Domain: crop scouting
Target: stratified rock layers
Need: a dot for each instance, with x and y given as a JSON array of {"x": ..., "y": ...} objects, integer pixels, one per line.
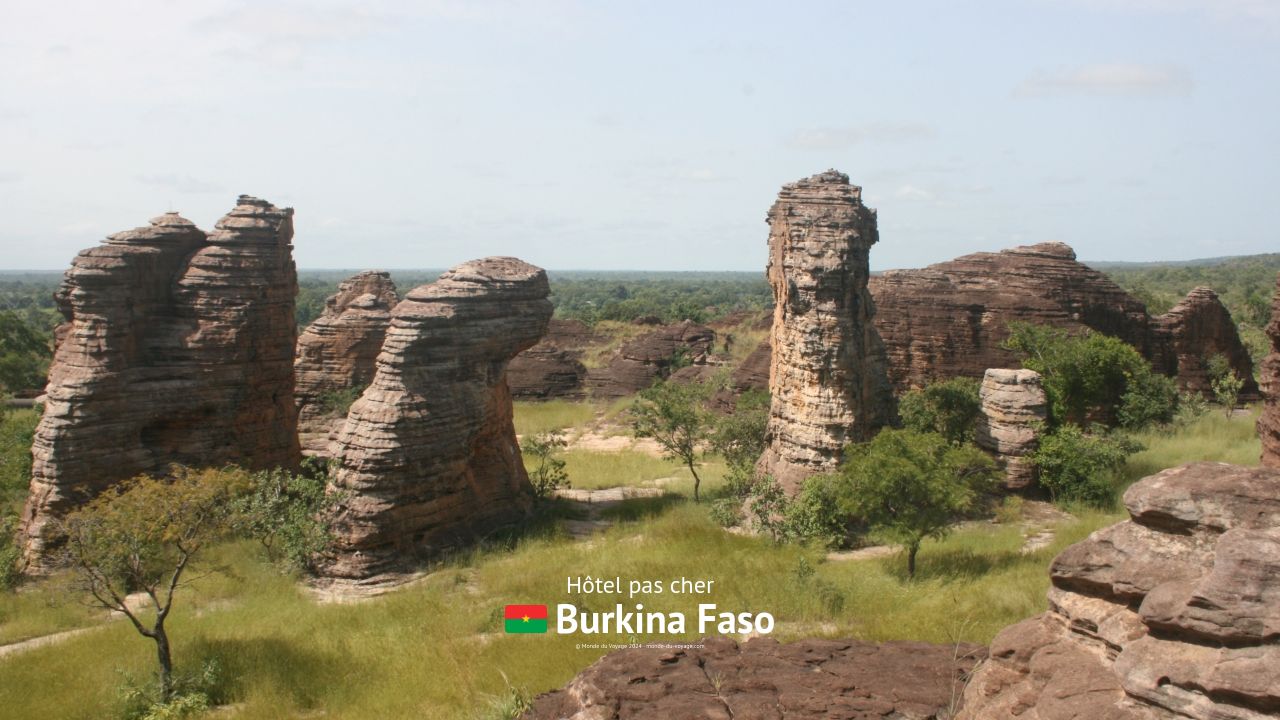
[
  {"x": 644, "y": 360},
  {"x": 177, "y": 348},
  {"x": 1192, "y": 333},
  {"x": 827, "y": 378},
  {"x": 1174, "y": 613},
  {"x": 427, "y": 457},
  {"x": 1013, "y": 410},
  {"x": 760, "y": 678},
  {"x": 1269, "y": 423},
  {"x": 336, "y": 354}
]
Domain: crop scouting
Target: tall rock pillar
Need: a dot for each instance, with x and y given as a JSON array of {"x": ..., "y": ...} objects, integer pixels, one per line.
[
  {"x": 827, "y": 378},
  {"x": 1269, "y": 423}
]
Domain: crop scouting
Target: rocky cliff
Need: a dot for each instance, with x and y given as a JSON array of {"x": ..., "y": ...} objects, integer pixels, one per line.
[
  {"x": 1013, "y": 410},
  {"x": 1193, "y": 332},
  {"x": 827, "y": 379},
  {"x": 1174, "y": 613},
  {"x": 427, "y": 457},
  {"x": 644, "y": 360},
  {"x": 177, "y": 347},
  {"x": 553, "y": 368},
  {"x": 1269, "y": 423},
  {"x": 336, "y": 354},
  {"x": 760, "y": 678}
]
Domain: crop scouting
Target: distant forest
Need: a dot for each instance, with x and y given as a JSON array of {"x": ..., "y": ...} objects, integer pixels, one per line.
[{"x": 1246, "y": 283}]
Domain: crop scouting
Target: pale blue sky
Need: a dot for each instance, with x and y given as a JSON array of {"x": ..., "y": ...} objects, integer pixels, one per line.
[{"x": 643, "y": 135}]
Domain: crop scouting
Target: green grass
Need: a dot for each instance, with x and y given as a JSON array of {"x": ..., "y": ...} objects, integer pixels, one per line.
[
  {"x": 536, "y": 417},
  {"x": 433, "y": 650},
  {"x": 1210, "y": 437}
]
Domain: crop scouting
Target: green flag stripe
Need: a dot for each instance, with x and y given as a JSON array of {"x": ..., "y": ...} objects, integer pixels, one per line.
[{"x": 527, "y": 626}]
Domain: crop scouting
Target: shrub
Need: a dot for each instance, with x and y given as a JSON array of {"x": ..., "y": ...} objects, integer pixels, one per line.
[
  {"x": 739, "y": 438},
  {"x": 337, "y": 403},
  {"x": 548, "y": 473},
  {"x": 726, "y": 512},
  {"x": 908, "y": 485},
  {"x": 1224, "y": 382},
  {"x": 947, "y": 407},
  {"x": 814, "y": 515},
  {"x": 287, "y": 512},
  {"x": 1079, "y": 466}
]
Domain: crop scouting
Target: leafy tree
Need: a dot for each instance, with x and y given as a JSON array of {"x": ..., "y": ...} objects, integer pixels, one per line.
[
  {"x": 142, "y": 535},
  {"x": 947, "y": 407},
  {"x": 1226, "y": 385},
  {"x": 908, "y": 485},
  {"x": 1094, "y": 378},
  {"x": 24, "y": 353},
  {"x": 1079, "y": 466},
  {"x": 549, "y": 473},
  {"x": 739, "y": 438},
  {"x": 675, "y": 415},
  {"x": 287, "y": 512}
]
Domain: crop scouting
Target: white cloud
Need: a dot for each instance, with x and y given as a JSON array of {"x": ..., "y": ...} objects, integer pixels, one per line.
[
  {"x": 911, "y": 192},
  {"x": 1109, "y": 79},
  {"x": 834, "y": 138}
]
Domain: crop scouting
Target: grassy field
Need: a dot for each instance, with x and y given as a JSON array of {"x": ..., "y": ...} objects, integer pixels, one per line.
[{"x": 435, "y": 649}]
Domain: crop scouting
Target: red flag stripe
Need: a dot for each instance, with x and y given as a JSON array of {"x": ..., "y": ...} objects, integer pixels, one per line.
[{"x": 533, "y": 612}]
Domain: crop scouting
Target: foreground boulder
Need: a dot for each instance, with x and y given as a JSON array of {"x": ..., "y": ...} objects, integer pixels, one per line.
[
  {"x": 650, "y": 357},
  {"x": 177, "y": 347},
  {"x": 1174, "y": 613},
  {"x": 1269, "y": 423},
  {"x": 827, "y": 379},
  {"x": 336, "y": 354},
  {"x": 427, "y": 458},
  {"x": 1013, "y": 411},
  {"x": 760, "y": 678}
]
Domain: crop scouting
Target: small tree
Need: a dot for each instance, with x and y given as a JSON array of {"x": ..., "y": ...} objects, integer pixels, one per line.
[
  {"x": 548, "y": 472},
  {"x": 142, "y": 535},
  {"x": 1079, "y": 466},
  {"x": 947, "y": 407},
  {"x": 908, "y": 486},
  {"x": 288, "y": 513},
  {"x": 739, "y": 438},
  {"x": 676, "y": 417},
  {"x": 1224, "y": 382}
]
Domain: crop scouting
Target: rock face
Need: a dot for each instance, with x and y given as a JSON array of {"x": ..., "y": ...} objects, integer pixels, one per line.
[
  {"x": 1194, "y": 331},
  {"x": 177, "y": 348},
  {"x": 553, "y": 368},
  {"x": 1174, "y": 613},
  {"x": 1013, "y": 407},
  {"x": 760, "y": 678},
  {"x": 1269, "y": 423},
  {"x": 644, "y": 360},
  {"x": 337, "y": 352},
  {"x": 428, "y": 457},
  {"x": 827, "y": 378}
]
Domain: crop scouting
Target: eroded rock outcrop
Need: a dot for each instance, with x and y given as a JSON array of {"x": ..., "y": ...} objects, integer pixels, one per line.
[
  {"x": 1188, "y": 336},
  {"x": 427, "y": 457},
  {"x": 177, "y": 348},
  {"x": 827, "y": 379},
  {"x": 1174, "y": 613},
  {"x": 336, "y": 354},
  {"x": 760, "y": 678},
  {"x": 650, "y": 357},
  {"x": 1013, "y": 412},
  {"x": 1269, "y": 423},
  {"x": 553, "y": 368}
]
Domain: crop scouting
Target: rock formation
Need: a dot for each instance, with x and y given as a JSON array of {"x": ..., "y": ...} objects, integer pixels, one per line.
[
  {"x": 336, "y": 354},
  {"x": 1172, "y": 614},
  {"x": 427, "y": 457},
  {"x": 950, "y": 319},
  {"x": 650, "y": 357},
  {"x": 827, "y": 378},
  {"x": 553, "y": 368},
  {"x": 177, "y": 348},
  {"x": 1269, "y": 423},
  {"x": 1013, "y": 409},
  {"x": 760, "y": 678},
  {"x": 1190, "y": 334}
]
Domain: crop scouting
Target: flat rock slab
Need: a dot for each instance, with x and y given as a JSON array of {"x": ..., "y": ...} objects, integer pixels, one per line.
[{"x": 763, "y": 679}]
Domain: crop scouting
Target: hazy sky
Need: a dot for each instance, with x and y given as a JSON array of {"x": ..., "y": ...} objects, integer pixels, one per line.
[{"x": 643, "y": 135}]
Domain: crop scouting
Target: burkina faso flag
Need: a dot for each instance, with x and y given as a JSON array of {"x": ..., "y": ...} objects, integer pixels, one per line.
[{"x": 526, "y": 618}]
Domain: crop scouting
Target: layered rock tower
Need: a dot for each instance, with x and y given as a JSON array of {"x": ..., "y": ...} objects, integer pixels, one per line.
[
  {"x": 1014, "y": 409},
  {"x": 1190, "y": 334},
  {"x": 1269, "y": 423},
  {"x": 1172, "y": 614},
  {"x": 177, "y": 347},
  {"x": 336, "y": 354},
  {"x": 427, "y": 457},
  {"x": 827, "y": 376}
]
